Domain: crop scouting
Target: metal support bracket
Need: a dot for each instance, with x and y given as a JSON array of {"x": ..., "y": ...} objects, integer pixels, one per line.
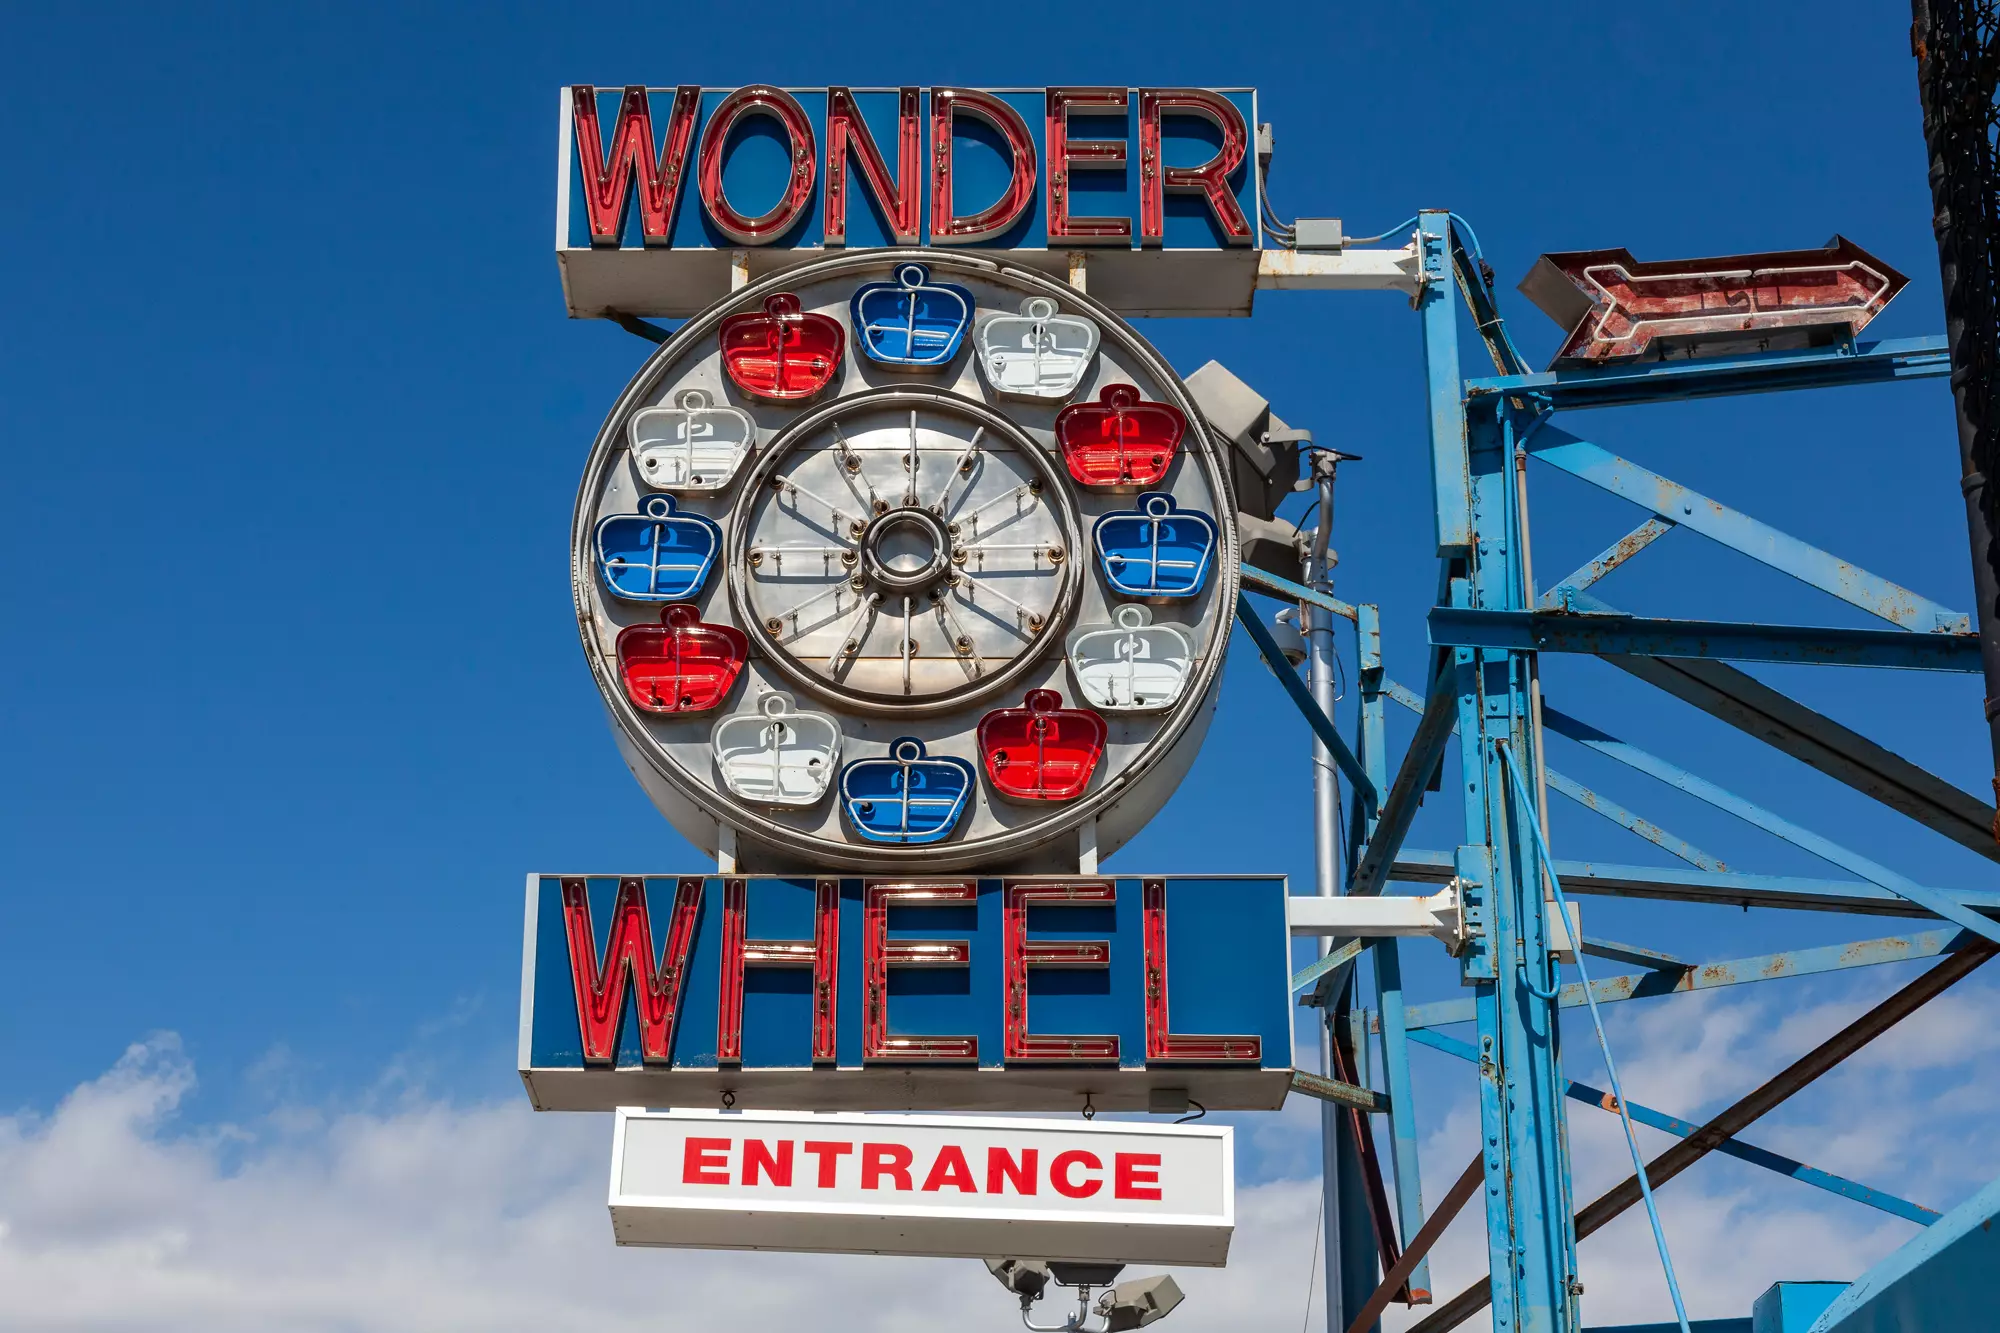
[{"x": 1375, "y": 916}]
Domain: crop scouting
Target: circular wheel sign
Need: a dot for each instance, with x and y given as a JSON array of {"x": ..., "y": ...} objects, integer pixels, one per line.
[{"x": 906, "y": 561}]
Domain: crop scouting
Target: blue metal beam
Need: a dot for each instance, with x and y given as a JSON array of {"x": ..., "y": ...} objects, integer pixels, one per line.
[
  {"x": 1840, "y": 752},
  {"x": 1825, "y": 848},
  {"x": 1399, "y": 810},
  {"x": 1760, "y": 541},
  {"x": 1714, "y": 976},
  {"x": 1719, "y": 889},
  {"x": 1591, "y": 800},
  {"x": 1372, "y": 733},
  {"x": 1618, "y": 814},
  {"x": 1321, "y": 724},
  {"x": 1710, "y": 377},
  {"x": 1562, "y": 596},
  {"x": 1741, "y": 641},
  {"x": 1737, "y": 1148},
  {"x": 1265, "y": 581},
  {"x": 1941, "y": 1280},
  {"x": 1445, "y": 414},
  {"x": 1650, "y": 959}
]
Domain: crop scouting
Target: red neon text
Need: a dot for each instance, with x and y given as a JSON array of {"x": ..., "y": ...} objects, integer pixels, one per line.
[{"x": 1075, "y": 1173}]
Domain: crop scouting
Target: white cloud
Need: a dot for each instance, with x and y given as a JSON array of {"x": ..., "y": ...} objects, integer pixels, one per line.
[
  {"x": 431, "y": 1216},
  {"x": 436, "y": 1216}
]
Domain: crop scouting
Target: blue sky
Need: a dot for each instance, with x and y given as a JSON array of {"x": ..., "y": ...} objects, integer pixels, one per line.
[{"x": 296, "y": 419}]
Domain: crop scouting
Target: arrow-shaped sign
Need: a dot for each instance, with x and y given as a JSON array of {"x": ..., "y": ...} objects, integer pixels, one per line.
[{"x": 1616, "y": 307}]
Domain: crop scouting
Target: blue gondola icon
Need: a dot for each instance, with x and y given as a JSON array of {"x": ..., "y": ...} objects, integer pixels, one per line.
[
  {"x": 1155, "y": 551},
  {"x": 656, "y": 555},
  {"x": 909, "y": 798},
  {"x": 912, "y": 321}
]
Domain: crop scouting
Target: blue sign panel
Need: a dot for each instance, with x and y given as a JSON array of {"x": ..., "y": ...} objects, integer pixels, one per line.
[{"x": 858, "y": 994}]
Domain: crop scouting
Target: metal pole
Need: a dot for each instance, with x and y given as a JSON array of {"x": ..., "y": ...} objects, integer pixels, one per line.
[
  {"x": 1326, "y": 800},
  {"x": 1956, "y": 90}
]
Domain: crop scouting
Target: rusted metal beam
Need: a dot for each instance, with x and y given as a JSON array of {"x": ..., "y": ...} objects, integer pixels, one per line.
[
  {"x": 1449, "y": 1206},
  {"x": 1562, "y": 594},
  {"x": 1377, "y": 1192},
  {"x": 1340, "y": 1094},
  {"x": 1737, "y": 1117}
]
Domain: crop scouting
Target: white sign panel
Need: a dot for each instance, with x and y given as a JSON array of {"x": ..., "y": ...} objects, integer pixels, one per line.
[{"x": 926, "y": 1185}]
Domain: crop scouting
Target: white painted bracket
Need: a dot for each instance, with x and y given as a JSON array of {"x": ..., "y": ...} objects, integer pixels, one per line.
[
  {"x": 1376, "y": 915},
  {"x": 1437, "y": 916},
  {"x": 1345, "y": 271}
]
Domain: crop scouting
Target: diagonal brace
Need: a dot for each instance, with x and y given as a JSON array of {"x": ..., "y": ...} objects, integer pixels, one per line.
[
  {"x": 1814, "y": 739},
  {"x": 1406, "y": 793},
  {"x": 1760, "y": 541},
  {"x": 1702, "y": 789},
  {"x": 1562, "y": 595},
  {"x": 1736, "y": 1118},
  {"x": 1322, "y": 725},
  {"x": 1731, "y": 1147}
]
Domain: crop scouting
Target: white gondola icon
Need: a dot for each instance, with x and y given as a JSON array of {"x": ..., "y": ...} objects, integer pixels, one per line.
[
  {"x": 1037, "y": 353},
  {"x": 1133, "y": 666},
  {"x": 695, "y": 446},
  {"x": 778, "y": 755}
]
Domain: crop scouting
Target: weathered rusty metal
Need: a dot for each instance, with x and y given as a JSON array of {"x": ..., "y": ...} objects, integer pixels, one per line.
[
  {"x": 1454, "y": 1200},
  {"x": 1337, "y": 1092},
  {"x": 1744, "y": 1112},
  {"x": 1560, "y": 595},
  {"x": 1374, "y": 1189},
  {"x": 1616, "y": 307}
]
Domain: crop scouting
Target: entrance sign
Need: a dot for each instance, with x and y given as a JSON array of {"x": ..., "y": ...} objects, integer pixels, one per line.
[
  {"x": 860, "y": 994},
  {"x": 924, "y": 1185},
  {"x": 657, "y": 186}
]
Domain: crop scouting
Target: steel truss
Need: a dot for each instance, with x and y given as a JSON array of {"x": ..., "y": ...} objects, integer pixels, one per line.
[{"x": 1488, "y": 630}]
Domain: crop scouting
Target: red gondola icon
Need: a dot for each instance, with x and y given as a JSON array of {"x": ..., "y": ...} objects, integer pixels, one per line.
[
  {"x": 783, "y": 355},
  {"x": 1041, "y": 751},
  {"x": 681, "y": 665},
  {"x": 1119, "y": 442}
]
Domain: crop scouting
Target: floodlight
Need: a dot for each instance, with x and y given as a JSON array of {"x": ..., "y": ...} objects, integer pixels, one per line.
[
  {"x": 1139, "y": 1302},
  {"x": 1026, "y": 1278},
  {"x": 1071, "y": 1274}
]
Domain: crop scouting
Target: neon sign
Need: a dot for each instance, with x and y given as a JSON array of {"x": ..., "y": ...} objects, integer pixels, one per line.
[
  {"x": 964, "y": 994},
  {"x": 1036, "y": 173}
]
